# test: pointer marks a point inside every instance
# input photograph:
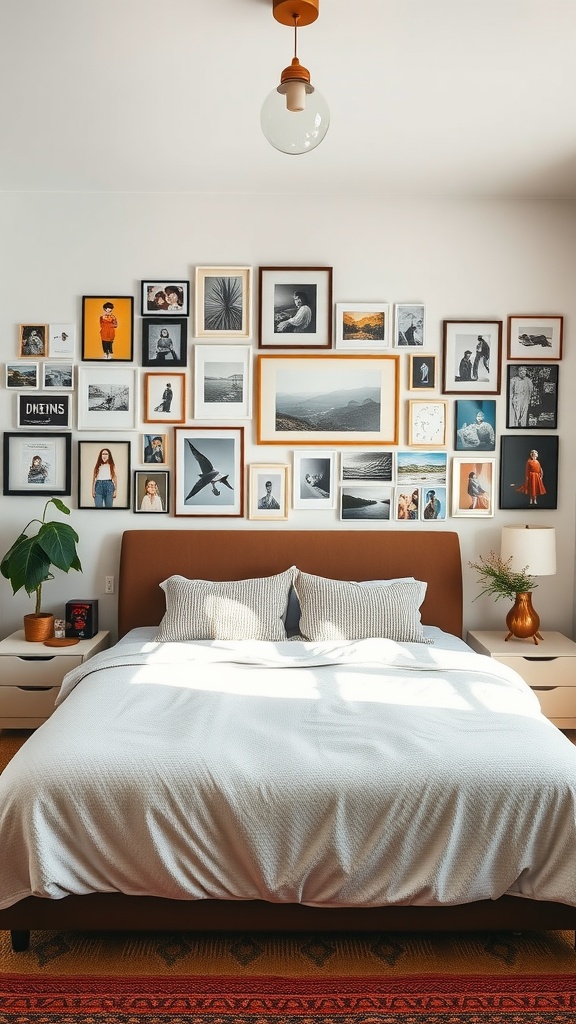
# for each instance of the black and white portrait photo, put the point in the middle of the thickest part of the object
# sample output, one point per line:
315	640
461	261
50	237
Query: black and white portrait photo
532	396
294	309
472	351
409	325
268	492
164	341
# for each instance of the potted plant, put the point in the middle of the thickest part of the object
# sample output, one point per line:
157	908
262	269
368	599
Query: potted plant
30	560
497	577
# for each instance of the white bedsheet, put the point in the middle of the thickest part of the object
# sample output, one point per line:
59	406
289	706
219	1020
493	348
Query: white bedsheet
333	774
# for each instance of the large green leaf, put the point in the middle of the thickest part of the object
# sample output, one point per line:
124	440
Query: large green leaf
29	566
5	563
58	542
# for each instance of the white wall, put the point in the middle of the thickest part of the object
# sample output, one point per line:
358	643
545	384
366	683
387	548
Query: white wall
464	259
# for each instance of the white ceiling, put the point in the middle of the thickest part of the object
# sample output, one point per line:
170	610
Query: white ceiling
427	97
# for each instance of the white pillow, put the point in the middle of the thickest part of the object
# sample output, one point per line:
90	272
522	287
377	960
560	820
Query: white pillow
338	610
238	610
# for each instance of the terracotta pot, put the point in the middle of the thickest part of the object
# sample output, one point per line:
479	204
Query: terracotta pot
38	627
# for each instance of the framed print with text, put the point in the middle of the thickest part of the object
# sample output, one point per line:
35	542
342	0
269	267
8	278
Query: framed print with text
535	337
164	398
223	307
532	396
104	474
295	307
222	382
107	398
151	490
529	471
267	491
336	399
107	328
472	352
48	412
473	487
209	471
37	464
363	326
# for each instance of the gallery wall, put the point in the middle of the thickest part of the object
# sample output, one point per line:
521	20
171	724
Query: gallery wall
475	260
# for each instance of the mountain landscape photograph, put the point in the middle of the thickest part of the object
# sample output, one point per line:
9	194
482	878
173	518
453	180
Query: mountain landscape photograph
344	402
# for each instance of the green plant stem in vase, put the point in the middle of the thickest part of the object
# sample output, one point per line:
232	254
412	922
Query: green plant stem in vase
497	577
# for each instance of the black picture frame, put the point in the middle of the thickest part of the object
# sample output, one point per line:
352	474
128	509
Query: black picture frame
43	412
115	344
161	477
515	452
155	297
88	456
532	396
173	351
51	477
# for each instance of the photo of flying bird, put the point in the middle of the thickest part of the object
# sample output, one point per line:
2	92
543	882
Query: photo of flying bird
208	475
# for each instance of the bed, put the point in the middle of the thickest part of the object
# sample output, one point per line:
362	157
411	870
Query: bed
246	893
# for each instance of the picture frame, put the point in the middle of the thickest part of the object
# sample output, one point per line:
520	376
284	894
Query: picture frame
164	397
532	396
223	307
422	371
473	487
362	503
58	375
314	479
434	504
334	400
167	297
472	352
151	491
421	468
409	325
427	422
223	382
107	328
165	341
154	450
406	504
22	376
62	341
209	473
475	424
107	398
43	412
295	307
112	491
367	466
37	464
535	337
362	326
519	486
33	340
268	488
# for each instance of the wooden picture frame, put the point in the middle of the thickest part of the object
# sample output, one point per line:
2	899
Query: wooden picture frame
473	487
167	297
526	483
37	464
100	489
33	341
333	400
165	341
223	307
422	372
107	398
107	328
155	448
532	396
535	337
268	487
209	473
223	382
362	326
149	499
472	356
295	307
164	398
427	422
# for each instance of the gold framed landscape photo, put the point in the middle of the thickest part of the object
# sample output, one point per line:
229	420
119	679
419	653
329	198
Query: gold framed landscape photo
267	491
472	356
209	471
223	307
336	399
362	326
535	337
295	307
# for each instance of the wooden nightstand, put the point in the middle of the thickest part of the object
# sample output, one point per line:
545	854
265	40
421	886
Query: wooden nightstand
31	675
549	668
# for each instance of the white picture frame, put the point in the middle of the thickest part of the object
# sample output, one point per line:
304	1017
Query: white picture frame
362	326
107	398
409	325
314	479
62	341
58	374
479	473
22	375
223	382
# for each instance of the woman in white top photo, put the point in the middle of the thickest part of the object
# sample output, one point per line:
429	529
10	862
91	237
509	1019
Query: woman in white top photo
104	480
151	502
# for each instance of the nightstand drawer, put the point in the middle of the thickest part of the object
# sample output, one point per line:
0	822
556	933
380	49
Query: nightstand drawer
557	703
49	671
35	703
540	671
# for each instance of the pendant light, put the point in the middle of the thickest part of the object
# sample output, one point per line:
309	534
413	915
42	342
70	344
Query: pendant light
295	116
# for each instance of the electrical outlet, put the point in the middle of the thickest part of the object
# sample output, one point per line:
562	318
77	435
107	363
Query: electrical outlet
109	585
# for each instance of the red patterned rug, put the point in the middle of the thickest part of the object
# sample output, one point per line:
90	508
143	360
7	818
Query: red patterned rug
429	999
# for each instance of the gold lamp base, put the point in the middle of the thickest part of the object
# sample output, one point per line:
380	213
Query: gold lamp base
522	620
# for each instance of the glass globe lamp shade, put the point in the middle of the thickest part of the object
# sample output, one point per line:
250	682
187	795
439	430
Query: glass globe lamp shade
298	130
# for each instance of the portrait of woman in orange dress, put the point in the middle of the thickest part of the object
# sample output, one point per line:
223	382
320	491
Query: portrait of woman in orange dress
533	484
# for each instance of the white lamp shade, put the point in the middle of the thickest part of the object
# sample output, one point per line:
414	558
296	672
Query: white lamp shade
530	547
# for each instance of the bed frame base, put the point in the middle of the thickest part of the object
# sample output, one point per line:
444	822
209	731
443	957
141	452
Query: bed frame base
117	912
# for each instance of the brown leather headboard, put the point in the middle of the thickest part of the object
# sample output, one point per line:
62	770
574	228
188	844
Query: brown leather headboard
150	556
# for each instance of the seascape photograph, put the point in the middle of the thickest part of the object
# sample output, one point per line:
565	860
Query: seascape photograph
421	468
365	503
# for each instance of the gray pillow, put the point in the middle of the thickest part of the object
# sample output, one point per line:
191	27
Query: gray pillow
239	610
338	610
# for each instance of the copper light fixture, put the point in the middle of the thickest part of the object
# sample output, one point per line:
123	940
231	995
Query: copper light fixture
295	117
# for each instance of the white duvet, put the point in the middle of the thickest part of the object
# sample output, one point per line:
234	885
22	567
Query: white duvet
333	774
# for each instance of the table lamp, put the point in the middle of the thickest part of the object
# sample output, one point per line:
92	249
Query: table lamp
532	548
